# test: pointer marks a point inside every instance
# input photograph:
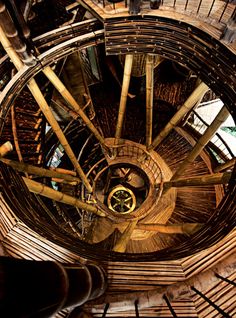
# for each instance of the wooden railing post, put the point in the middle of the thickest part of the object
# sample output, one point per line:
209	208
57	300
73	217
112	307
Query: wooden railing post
105	310
169	306
211	303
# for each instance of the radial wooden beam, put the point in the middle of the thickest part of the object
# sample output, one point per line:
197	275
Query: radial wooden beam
41	172
196	95
202	142
123	98
50	193
185	228
54	79
208	179
226	165
121	244
36	92
149	97
5	148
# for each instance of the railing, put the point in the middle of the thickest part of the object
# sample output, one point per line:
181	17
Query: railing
199	125
137	153
220	11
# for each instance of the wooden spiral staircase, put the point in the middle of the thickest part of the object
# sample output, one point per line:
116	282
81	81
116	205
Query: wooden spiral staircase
121	138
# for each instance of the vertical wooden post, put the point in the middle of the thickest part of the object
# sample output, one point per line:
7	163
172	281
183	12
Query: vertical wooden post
202	142
197	94
123	98
149	97
36	92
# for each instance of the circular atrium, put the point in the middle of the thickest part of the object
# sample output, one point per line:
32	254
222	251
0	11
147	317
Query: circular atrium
117	126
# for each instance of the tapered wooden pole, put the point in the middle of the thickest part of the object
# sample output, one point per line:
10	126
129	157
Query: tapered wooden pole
185	228
202	142
149	97
54	79
226	165
123	98
189	104
33	87
41	172
5	148
50	193
208	179
121	244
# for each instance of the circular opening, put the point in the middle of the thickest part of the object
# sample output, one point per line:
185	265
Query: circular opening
121	200
122	188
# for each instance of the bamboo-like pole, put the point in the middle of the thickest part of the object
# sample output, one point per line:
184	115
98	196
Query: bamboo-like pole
64	171
14	132
58	180
202	142
149	97
50	193
185	228
41	172
36	92
229	164
54	79
123	98
204	180
5	148
196	95
10	51
121	244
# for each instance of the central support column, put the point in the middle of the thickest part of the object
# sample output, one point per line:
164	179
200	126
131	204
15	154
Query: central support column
149	97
